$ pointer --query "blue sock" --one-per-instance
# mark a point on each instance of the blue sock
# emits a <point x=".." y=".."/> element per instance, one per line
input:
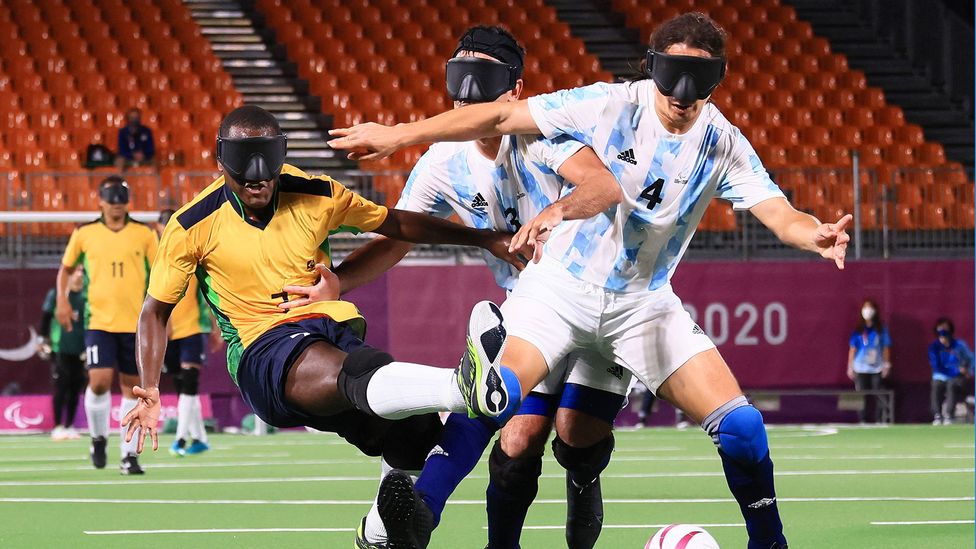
<point x="752" y="487"/>
<point x="463" y="442"/>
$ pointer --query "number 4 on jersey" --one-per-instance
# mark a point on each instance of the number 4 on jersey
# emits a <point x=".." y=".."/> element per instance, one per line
<point x="652" y="193"/>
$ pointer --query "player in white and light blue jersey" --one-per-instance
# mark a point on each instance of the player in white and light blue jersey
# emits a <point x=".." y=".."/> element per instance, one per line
<point x="603" y="283"/>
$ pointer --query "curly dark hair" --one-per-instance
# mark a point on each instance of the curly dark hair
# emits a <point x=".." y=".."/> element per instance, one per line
<point x="692" y="28"/>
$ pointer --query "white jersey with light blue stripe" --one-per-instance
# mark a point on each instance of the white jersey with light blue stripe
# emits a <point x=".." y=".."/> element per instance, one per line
<point x="668" y="181"/>
<point x="498" y="194"/>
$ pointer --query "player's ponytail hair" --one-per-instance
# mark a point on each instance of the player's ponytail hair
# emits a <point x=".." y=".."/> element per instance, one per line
<point x="692" y="28"/>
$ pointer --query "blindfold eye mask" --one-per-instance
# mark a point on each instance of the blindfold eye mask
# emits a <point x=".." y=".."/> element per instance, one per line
<point x="252" y="159"/>
<point x="114" y="192"/>
<point x="475" y="80"/>
<point x="687" y="78"/>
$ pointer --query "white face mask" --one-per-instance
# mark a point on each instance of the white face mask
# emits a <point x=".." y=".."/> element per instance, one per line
<point x="867" y="313"/>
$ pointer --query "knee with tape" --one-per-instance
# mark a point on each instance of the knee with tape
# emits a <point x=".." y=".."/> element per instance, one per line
<point x="585" y="464"/>
<point x="737" y="430"/>
<point x="189" y="381"/>
<point x="516" y="477"/>
<point x="357" y="369"/>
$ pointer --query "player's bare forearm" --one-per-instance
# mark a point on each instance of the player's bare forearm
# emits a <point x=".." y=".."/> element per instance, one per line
<point x="151" y="341"/>
<point x="369" y="261"/>
<point x="373" y="141"/>
<point x="473" y="122"/>
<point x="792" y="227"/>
<point x="426" y="229"/>
<point x="595" y="188"/>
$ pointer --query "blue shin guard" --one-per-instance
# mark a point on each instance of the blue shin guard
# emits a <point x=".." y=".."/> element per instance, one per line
<point x="738" y="432"/>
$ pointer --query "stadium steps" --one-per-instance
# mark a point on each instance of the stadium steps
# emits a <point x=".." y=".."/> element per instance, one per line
<point x="923" y="103"/>
<point x="263" y="75"/>
<point x="604" y="32"/>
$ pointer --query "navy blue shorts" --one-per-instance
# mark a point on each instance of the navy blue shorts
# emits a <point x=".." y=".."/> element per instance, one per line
<point x="186" y="350"/>
<point x="109" y="350"/>
<point x="262" y="374"/>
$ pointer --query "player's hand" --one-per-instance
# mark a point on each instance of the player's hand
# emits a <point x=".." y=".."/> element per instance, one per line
<point x="64" y="315"/>
<point x="43" y="348"/>
<point x="885" y="370"/>
<point x="326" y="289"/>
<point x="850" y="374"/>
<point x="369" y="141"/>
<point x="535" y="233"/>
<point x="143" y="418"/>
<point x="499" y="244"/>
<point x="832" y="238"/>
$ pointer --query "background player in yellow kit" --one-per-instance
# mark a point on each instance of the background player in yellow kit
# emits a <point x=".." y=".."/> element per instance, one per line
<point x="116" y="252"/>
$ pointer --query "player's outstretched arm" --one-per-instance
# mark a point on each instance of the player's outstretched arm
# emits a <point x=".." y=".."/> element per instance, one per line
<point x="426" y="229"/>
<point x="372" y="141"/>
<point x="595" y="190"/>
<point x="804" y="231"/>
<point x="368" y="262"/>
<point x="62" y="307"/>
<point x="150" y="348"/>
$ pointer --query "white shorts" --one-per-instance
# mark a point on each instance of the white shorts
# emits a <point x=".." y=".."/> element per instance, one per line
<point x="587" y="368"/>
<point x="648" y="333"/>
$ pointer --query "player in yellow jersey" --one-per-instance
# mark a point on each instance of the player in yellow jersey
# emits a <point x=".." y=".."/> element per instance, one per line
<point x="189" y="326"/>
<point x="264" y="225"/>
<point x="116" y="252"/>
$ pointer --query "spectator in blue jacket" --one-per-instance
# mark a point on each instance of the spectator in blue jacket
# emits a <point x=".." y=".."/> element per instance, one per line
<point x="136" y="147"/>
<point x="952" y="362"/>
<point x="869" y="357"/>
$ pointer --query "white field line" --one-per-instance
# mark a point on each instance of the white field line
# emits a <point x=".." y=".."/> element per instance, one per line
<point x="317" y="502"/>
<point x="921" y="522"/>
<point x="795" y="458"/>
<point x="214" y="531"/>
<point x="961" y="446"/>
<point x="85" y="458"/>
<point x="375" y="478"/>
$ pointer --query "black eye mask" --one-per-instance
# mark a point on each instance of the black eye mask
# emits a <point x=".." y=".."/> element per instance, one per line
<point x="252" y="159"/>
<point x="687" y="78"/>
<point x="476" y="80"/>
<point x="114" y="192"/>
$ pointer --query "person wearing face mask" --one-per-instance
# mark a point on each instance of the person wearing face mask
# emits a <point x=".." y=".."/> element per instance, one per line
<point x="869" y="358"/>
<point x="952" y="363"/>
<point x="136" y="146"/>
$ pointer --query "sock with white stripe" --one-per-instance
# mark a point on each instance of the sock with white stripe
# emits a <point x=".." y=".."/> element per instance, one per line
<point x="184" y="409"/>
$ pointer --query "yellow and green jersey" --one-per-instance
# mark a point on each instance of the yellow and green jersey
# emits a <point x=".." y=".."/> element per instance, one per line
<point x="242" y="264"/>
<point x="191" y="316"/>
<point x="116" y="267"/>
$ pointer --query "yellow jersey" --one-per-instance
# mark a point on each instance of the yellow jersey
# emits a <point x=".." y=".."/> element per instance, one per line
<point x="116" y="267"/>
<point x="191" y="315"/>
<point x="242" y="264"/>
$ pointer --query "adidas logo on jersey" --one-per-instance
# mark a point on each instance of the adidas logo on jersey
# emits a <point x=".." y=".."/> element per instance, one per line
<point x="437" y="451"/>
<point x="628" y="156"/>
<point x="697" y="331"/>
<point x="616" y="371"/>
<point x="479" y="202"/>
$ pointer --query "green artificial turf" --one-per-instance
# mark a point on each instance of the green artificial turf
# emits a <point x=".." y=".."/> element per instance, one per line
<point x="834" y="484"/>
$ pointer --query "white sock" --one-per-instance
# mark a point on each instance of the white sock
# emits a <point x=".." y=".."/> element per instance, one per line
<point x="98" y="408"/>
<point x="197" y="429"/>
<point x="184" y="410"/>
<point x="402" y="389"/>
<point x="260" y="427"/>
<point x="126" y="448"/>
<point x="375" y="531"/>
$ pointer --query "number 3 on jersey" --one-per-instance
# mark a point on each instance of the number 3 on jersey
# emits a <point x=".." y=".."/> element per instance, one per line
<point x="652" y="193"/>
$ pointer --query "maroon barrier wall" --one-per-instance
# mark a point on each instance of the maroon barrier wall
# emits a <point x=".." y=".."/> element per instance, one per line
<point x="778" y="324"/>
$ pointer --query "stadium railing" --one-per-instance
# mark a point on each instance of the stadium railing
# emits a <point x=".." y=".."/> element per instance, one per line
<point x="906" y="212"/>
